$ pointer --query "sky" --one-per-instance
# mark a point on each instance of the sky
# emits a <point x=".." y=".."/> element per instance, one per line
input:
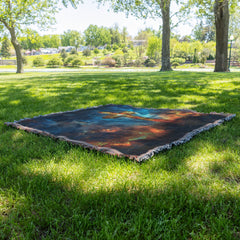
<point x="88" y="13"/>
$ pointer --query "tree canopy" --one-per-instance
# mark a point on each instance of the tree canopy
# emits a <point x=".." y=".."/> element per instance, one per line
<point x="97" y="36"/>
<point x="17" y="15"/>
<point x="5" y="49"/>
<point x="71" y="38"/>
<point x="22" y="13"/>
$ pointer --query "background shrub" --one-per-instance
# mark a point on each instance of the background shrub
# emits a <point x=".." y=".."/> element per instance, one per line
<point x="73" y="61"/>
<point x="86" y="52"/>
<point x="138" y="62"/>
<point x="109" y="61"/>
<point x="74" y="51"/>
<point x="63" y="54"/>
<point x="130" y="63"/>
<point x="119" y="60"/>
<point x="76" y="62"/>
<point x="105" y="51"/>
<point x="126" y="58"/>
<point x="96" y="50"/>
<point x="175" y="64"/>
<point x="38" y="62"/>
<point x="109" y="48"/>
<point x="115" y="46"/>
<point x="150" y="62"/>
<point x="54" y="62"/>
<point x="178" y="60"/>
<point x="97" y="62"/>
<point x="68" y="60"/>
<point x="125" y="50"/>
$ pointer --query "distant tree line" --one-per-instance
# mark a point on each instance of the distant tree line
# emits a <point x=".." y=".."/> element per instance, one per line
<point x="93" y="36"/>
<point x="195" y="48"/>
<point x="17" y="15"/>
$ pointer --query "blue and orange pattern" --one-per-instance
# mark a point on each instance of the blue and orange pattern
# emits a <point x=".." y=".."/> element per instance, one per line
<point x="124" y="129"/>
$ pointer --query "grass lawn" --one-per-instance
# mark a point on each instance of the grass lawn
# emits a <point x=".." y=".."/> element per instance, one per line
<point x="52" y="190"/>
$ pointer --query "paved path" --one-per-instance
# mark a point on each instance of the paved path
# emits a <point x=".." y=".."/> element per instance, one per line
<point x="109" y="70"/>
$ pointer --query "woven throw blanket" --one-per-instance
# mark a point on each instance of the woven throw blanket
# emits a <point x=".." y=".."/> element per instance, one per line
<point x="122" y="130"/>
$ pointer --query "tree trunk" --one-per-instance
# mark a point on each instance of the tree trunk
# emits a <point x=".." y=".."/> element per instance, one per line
<point x="165" y="8"/>
<point x="221" y="12"/>
<point x="17" y="48"/>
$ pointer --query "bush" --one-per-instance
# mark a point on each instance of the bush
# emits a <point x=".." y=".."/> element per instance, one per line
<point x="119" y="60"/>
<point x="130" y="63"/>
<point x="76" y="62"/>
<point x="86" y="52"/>
<point x="125" y="50"/>
<point x="236" y="55"/>
<point x="97" y="62"/>
<point x="109" y="48"/>
<point x="96" y="50"/>
<point x="203" y="59"/>
<point x="105" y="52"/>
<point x="154" y="47"/>
<point x="68" y="60"/>
<point x="38" y="62"/>
<point x="138" y="62"/>
<point x="178" y="60"/>
<point x="150" y="62"/>
<point x="180" y="54"/>
<point x="195" y="56"/>
<point x="126" y="58"/>
<point x="73" y="61"/>
<point x="131" y="46"/>
<point x="63" y="54"/>
<point x="211" y="57"/>
<point x="54" y="62"/>
<point x="115" y="46"/>
<point x="175" y="64"/>
<point x="109" y="61"/>
<point x="74" y="51"/>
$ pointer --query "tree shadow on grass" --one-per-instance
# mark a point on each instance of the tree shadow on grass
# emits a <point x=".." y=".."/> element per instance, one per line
<point x="110" y="198"/>
<point x="68" y="91"/>
<point x="39" y="95"/>
<point x="43" y="205"/>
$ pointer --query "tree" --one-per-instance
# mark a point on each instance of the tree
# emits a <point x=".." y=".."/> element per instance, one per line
<point x="165" y="9"/>
<point x="205" y="32"/>
<point x="5" y="49"/>
<point x="63" y="54"/>
<point x="154" y="48"/>
<point x="15" y="15"/>
<point x="72" y="38"/>
<point x="234" y="25"/>
<point x="221" y="10"/>
<point x="31" y="41"/>
<point x="144" y="9"/>
<point x="124" y="35"/>
<point x="115" y="35"/>
<point x="97" y="36"/>
<point x="51" y="41"/>
<point x="144" y="35"/>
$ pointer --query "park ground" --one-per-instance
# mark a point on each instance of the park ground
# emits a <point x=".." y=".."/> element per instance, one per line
<point x="53" y="190"/>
